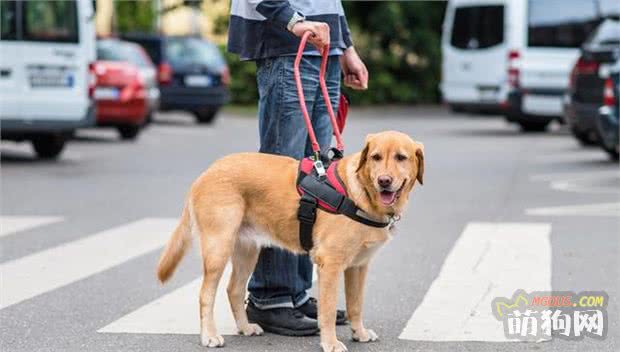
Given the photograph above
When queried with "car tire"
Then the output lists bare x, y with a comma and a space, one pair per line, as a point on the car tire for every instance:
49, 146
612, 152
533, 126
584, 138
206, 116
129, 132
457, 109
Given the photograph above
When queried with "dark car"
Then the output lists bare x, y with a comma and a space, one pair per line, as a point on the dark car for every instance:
585, 91
609, 113
192, 73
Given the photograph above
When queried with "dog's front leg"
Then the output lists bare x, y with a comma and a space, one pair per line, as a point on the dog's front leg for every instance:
328, 293
354, 281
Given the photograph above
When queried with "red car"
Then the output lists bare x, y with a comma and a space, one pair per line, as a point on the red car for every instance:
122, 100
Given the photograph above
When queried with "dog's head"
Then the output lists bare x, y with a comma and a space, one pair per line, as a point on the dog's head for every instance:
389, 165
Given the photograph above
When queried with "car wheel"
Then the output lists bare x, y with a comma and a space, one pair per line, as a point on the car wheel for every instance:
48, 146
129, 132
585, 138
457, 109
206, 116
611, 151
148, 119
533, 126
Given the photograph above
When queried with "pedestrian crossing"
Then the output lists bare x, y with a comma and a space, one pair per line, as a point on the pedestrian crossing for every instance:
488, 260
52, 268
13, 224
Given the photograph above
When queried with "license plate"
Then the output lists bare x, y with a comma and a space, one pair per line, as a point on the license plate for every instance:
543, 105
197, 81
107, 93
487, 94
51, 76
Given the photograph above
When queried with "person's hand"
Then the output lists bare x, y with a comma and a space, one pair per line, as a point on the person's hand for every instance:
320, 32
354, 70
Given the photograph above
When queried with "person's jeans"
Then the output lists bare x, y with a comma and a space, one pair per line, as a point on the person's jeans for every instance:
282, 278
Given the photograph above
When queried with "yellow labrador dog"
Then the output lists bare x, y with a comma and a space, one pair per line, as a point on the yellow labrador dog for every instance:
248, 200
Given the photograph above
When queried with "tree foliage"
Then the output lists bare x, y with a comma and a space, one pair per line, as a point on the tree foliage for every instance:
398, 40
400, 43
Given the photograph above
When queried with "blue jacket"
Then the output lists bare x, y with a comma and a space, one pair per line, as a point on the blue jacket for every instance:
258, 28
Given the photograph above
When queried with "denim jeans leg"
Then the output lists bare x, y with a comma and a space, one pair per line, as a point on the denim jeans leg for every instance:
281, 279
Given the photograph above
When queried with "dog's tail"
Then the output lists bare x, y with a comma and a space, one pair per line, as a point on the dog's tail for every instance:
177, 245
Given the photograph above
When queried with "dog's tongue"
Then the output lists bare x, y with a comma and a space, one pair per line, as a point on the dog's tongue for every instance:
387, 197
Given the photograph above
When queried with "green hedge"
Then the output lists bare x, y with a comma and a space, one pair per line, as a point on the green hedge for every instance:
400, 44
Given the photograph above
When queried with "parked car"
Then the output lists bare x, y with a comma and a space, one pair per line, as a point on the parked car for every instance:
514, 55
192, 74
609, 114
585, 91
121, 97
48, 48
113, 49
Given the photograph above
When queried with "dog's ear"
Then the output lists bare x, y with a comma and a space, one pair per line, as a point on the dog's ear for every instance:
364, 154
419, 153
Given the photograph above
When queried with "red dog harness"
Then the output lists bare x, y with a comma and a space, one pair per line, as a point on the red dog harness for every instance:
320, 188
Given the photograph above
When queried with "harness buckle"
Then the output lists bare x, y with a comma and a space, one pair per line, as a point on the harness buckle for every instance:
307, 210
320, 169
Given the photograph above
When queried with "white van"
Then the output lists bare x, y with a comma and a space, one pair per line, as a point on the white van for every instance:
46, 48
514, 56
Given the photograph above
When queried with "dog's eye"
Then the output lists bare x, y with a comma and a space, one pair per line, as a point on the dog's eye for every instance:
401, 157
376, 157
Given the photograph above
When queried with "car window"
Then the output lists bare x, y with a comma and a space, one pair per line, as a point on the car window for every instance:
193, 51
608, 33
112, 50
152, 48
50, 21
8, 20
561, 23
478, 27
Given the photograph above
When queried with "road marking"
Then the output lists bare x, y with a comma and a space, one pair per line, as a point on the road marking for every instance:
599, 209
12, 224
177, 312
599, 182
52, 268
487, 261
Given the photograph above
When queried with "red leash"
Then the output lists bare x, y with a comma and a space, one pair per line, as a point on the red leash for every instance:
302, 101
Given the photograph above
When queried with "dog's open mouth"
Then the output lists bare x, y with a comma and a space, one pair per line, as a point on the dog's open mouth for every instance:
388, 197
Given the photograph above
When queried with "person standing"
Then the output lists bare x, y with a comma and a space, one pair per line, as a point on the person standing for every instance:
268, 32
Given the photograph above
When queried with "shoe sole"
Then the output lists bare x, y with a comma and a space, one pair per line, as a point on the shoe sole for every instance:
285, 331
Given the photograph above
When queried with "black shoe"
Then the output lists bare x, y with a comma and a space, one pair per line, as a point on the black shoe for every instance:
310, 310
282, 321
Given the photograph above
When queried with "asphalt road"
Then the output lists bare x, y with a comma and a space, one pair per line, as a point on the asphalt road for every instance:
499, 211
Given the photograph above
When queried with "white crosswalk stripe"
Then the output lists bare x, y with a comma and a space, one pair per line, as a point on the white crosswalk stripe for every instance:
177, 312
40, 272
598, 209
12, 224
487, 261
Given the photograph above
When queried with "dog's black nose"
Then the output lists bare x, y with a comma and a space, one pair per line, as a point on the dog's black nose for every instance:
385, 181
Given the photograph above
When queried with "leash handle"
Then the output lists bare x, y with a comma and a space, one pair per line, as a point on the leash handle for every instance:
302, 100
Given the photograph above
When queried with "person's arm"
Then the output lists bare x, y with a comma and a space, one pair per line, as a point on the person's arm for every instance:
281, 14
353, 68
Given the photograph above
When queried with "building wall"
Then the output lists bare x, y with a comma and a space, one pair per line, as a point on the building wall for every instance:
180, 21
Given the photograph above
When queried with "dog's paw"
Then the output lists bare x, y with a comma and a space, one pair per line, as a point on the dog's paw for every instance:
251, 330
334, 347
212, 341
364, 335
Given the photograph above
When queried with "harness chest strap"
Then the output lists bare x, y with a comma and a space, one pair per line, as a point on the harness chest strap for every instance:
316, 192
